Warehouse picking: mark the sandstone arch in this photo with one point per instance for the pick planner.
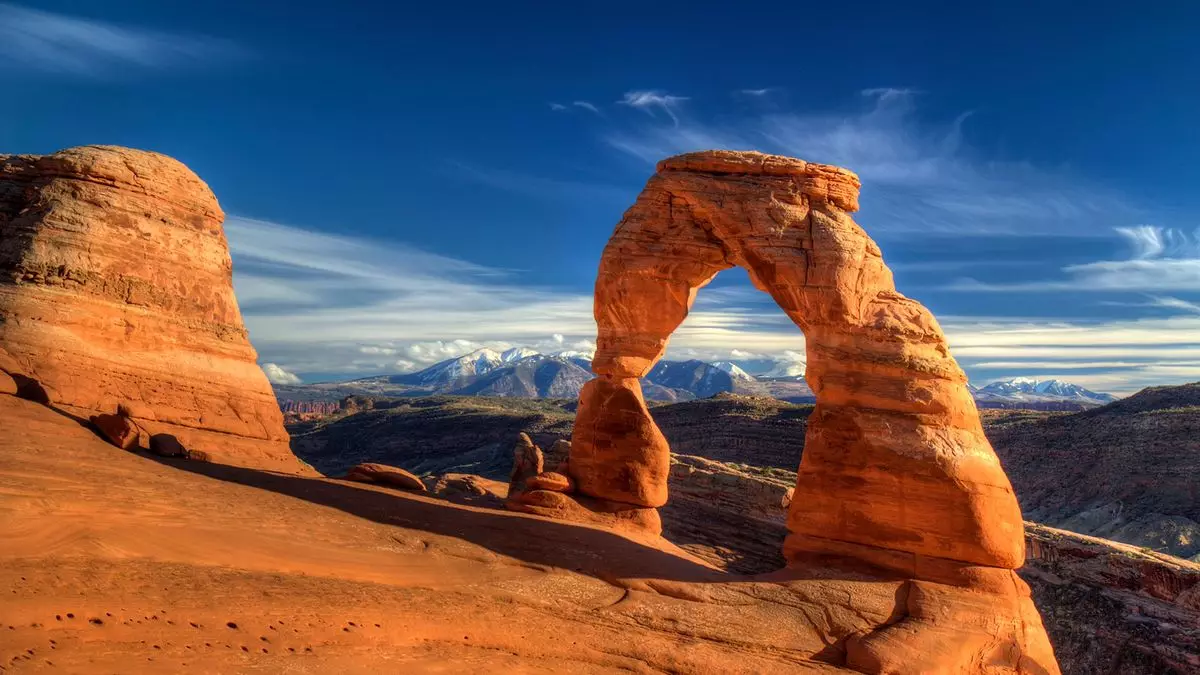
(896, 469)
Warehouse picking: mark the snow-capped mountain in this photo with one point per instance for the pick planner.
(581, 359)
(775, 368)
(533, 376)
(733, 369)
(478, 362)
(1027, 389)
(517, 353)
(522, 371)
(700, 380)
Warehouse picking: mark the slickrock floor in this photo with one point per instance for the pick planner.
(118, 562)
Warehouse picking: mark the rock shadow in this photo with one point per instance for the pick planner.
(595, 552)
(34, 391)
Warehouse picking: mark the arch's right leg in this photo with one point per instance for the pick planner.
(649, 274)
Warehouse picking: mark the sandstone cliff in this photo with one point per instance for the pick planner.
(116, 288)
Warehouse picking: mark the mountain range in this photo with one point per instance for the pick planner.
(1030, 390)
(524, 372)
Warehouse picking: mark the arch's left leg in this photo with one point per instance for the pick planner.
(649, 274)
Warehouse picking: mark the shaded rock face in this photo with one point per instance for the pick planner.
(116, 286)
(1113, 608)
(897, 472)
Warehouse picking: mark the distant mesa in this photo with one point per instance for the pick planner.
(116, 288)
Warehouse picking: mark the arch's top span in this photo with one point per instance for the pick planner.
(821, 181)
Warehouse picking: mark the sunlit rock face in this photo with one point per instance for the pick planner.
(896, 473)
(116, 288)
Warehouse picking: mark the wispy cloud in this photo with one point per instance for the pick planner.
(58, 43)
(1149, 241)
(651, 100)
(585, 105)
(919, 176)
(1168, 302)
(889, 93)
(333, 304)
(1162, 260)
(323, 303)
(755, 92)
(539, 186)
(1118, 356)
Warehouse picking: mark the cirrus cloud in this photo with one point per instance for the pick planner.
(69, 45)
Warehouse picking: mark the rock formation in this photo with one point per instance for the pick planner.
(386, 475)
(116, 288)
(1113, 608)
(117, 429)
(527, 463)
(896, 473)
(552, 481)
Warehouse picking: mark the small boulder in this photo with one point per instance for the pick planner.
(386, 475)
(550, 480)
(117, 429)
(558, 453)
(463, 488)
(198, 455)
(527, 463)
(9, 364)
(7, 384)
(166, 445)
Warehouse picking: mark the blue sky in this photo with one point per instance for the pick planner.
(407, 183)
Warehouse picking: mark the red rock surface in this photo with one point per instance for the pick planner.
(385, 475)
(186, 563)
(617, 452)
(8, 364)
(527, 463)
(613, 515)
(550, 480)
(896, 473)
(118, 430)
(116, 285)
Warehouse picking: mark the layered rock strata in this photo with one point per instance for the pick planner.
(896, 476)
(116, 288)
